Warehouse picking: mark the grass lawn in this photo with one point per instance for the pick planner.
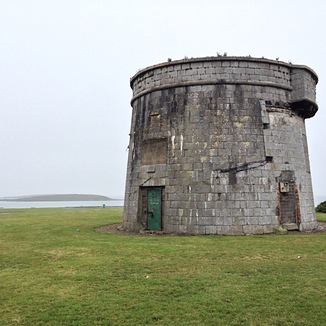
(321, 217)
(55, 269)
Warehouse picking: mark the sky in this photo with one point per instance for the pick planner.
(65, 68)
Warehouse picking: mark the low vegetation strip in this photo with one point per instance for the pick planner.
(55, 269)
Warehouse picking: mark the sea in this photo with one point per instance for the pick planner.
(63, 204)
(85, 204)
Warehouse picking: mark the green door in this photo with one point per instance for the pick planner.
(154, 209)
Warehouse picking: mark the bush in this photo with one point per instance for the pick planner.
(321, 208)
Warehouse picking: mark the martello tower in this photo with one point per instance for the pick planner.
(218, 146)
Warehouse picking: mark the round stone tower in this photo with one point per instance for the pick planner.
(218, 146)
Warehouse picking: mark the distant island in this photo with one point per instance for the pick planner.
(63, 197)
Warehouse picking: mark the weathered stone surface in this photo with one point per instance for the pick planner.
(280, 230)
(224, 139)
(290, 226)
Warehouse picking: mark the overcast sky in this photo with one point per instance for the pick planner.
(65, 68)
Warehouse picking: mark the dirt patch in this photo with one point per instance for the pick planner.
(118, 229)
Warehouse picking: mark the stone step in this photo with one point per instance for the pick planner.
(280, 230)
(290, 226)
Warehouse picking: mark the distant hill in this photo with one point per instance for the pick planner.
(63, 197)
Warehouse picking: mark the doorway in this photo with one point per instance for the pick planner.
(154, 208)
(289, 201)
(152, 199)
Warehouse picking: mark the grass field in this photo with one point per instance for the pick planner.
(321, 217)
(55, 269)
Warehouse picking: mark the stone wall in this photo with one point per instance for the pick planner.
(218, 135)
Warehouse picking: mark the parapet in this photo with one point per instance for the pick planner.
(300, 80)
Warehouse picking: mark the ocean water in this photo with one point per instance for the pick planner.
(109, 203)
(49, 204)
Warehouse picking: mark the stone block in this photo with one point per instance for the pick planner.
(227, 220)
(211, 229)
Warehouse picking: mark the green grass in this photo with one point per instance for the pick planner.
(55, 269)
(321, 217)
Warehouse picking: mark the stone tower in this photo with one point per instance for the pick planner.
(218, 146)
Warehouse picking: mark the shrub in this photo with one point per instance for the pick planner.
(321, 208)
